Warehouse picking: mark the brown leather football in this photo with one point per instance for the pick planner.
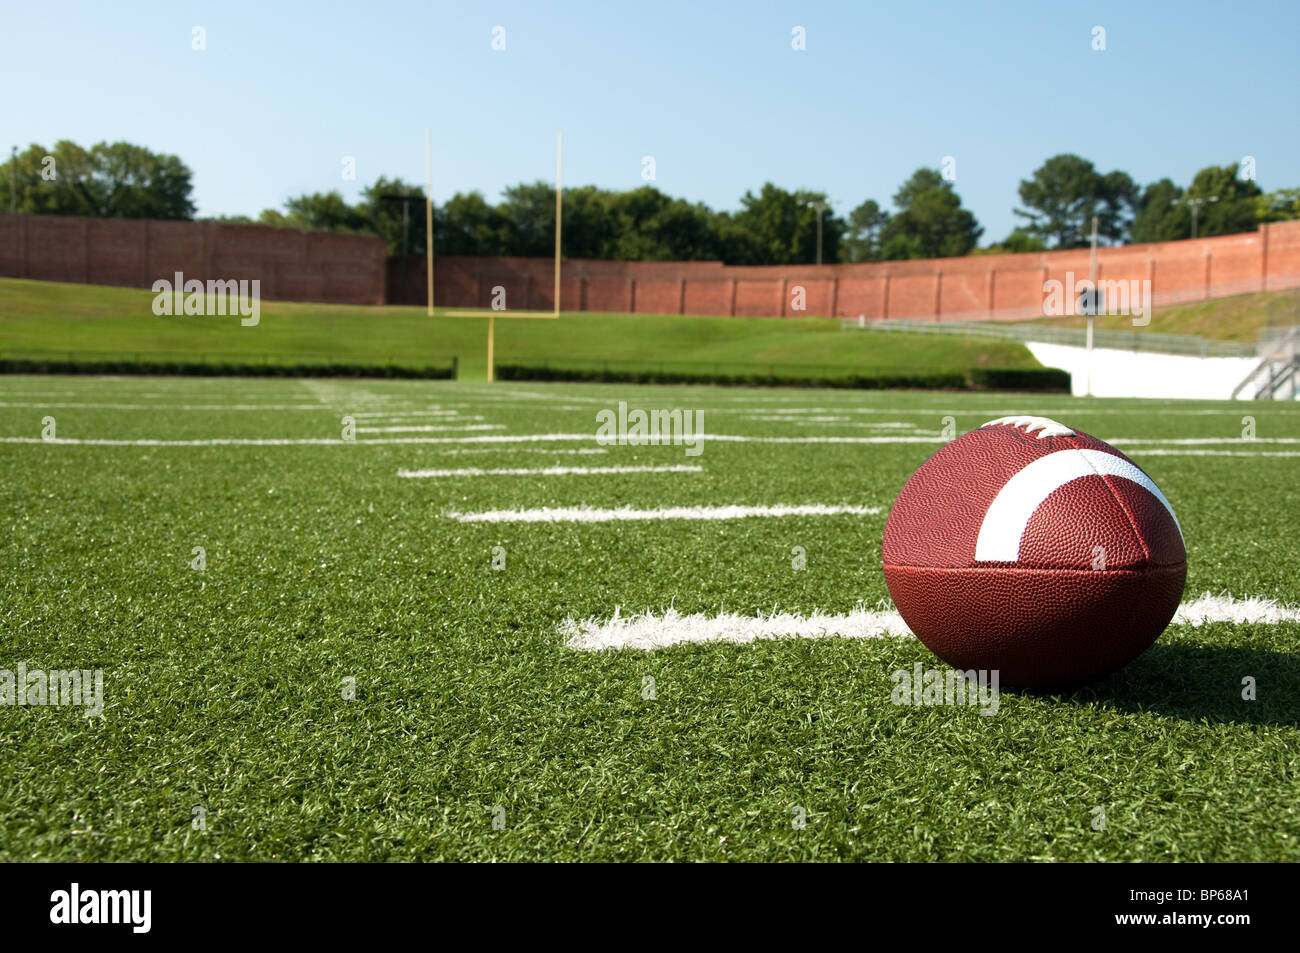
(1037, 550)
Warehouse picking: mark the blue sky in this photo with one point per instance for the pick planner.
(713, 91)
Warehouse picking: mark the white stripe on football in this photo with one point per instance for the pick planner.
(1016, 502)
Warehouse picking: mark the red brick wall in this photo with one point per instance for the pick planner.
(318, 266)
(979, 287)
(291, 265)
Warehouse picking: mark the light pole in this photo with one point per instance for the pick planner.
(13, 181)
(1195, 205)
(1092, 310)
(820, 207)
(406, 199)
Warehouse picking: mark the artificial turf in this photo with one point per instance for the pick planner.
(225, 687)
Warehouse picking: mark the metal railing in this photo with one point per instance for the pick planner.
(1277, 375)
(1135, 340)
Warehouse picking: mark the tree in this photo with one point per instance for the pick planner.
(647, 225)
(1233, 208)
(1159, 218)
(1225, 205)
(922, 181)
(902, 246)
(862, 239)
(685, 232)
(784, 226)
(319, 212)
(588, 223)
(466, 224)
(529, 209)
(109, 180)
(737, 245)
(1282, 205)
(1018, 242)
(383, 205)
(1065, 193)
(930, 222)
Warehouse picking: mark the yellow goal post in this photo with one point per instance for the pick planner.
(492, 314)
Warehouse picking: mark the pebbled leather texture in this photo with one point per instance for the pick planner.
(1101, 565)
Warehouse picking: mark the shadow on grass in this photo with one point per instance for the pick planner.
(1200, 682)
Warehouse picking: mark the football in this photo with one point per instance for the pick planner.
(1036, 550)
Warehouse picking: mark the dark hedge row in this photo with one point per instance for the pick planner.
(221, 369)
(1041, 379)
(1026, 379)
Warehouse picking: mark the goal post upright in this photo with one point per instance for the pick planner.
(559, 166)
(428, 214)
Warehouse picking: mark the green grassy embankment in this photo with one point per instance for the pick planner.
(1238, 318)
(88, 322)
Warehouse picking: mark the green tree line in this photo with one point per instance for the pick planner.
(776, 226)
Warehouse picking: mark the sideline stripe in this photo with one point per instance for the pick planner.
(587, 514)
(651, 630)
(548, 471)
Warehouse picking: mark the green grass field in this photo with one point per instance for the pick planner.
(224, 688)
(88, 321)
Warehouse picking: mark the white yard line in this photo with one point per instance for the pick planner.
(530, 398)
(486, 438)
(546, 471)
(241, 441)
(104, 406)
(395, 414)
(589, 514)
(1165, 452)
(293, 441)
(430, 428)
(1197, 441)
(549, 450)
(656, 631)
(1064, 414)
(791, 419)
(749, 438)
(651, 630)
(1136, 445)
(1225, 607)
